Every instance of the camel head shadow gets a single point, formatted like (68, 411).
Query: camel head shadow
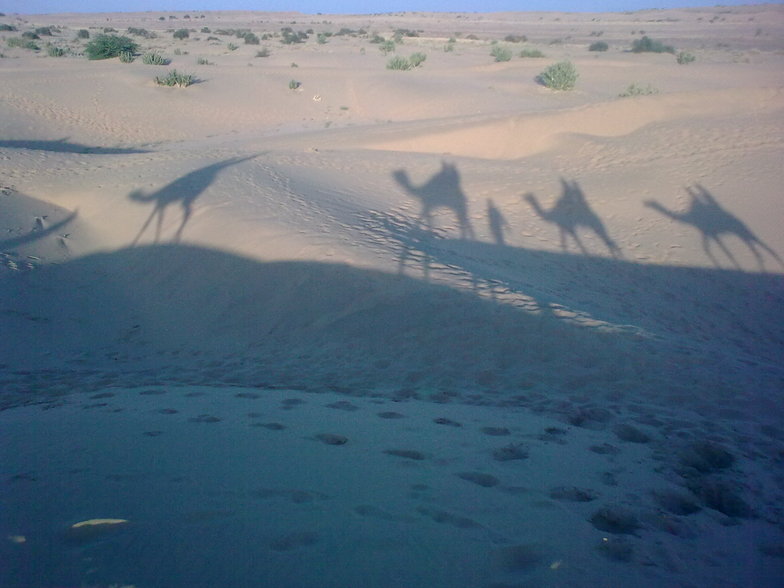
(442, 190)
(707, 216)
(183, 191)
(570, 213)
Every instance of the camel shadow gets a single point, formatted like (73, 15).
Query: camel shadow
(707, 216)
(570, 213)
(442, 190)
(497, 222)
(185, 191)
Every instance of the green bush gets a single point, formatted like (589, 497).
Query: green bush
(141, 33)
(6, 27)
(515, 38)
(30, 35)
(531, 53)
(684, 58)
(559, 76)
(83, 34)
(232, 47)
(204, 61)
(387, 47)
(648, 45)
(23, 43)
(108, 46)
(399, 63)
(126, 57)
(181, 34)
(175, 78)
(294, 85)
(501, 53)
(45, 31)
(251, 39)
(54, 51)
(635, 90)
(263, 52)
(154, 59)
(598, 46)
(417, 59)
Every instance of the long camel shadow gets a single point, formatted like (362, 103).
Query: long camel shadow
(65, 146)
(442, 190)
(712, 220)
(185, 191)
(570, 213)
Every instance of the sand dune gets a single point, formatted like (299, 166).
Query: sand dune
(538, 333)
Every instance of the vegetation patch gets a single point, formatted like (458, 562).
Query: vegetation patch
(108, 46)
(175, 78)
(648, 45)
(153, 58)
(598, 46)
(500, 53)
(559, 76)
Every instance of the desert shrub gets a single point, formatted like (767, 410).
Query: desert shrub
(181, 34)
(294, 85)
(204, 61)
(83, 34)
(559, 76)
(23, 43)
(251, 39)
(30, 35)
(406, 33)
(108, 30)
(598, 46)
(534, 53)
(6, 27)
(232, 47)
(126, 56)
(377, 39)
(635, 90)
(154, 59)
(175, 78)
(501, 53)
(44, 31)
(417, 59)
(685, 57)
(263, 52)
(108, 46)
(648, 45)
(399, 63)
(515, 38)
(54, 51)
(289, 37)
(322, 38)
(206, 30)
(141, 33)
(387, 47)
(450, 45)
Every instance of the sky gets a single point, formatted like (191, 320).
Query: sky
(353, 6)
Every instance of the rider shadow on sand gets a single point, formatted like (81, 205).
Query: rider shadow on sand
(571, 212)
(443, 190)
(185, 191)
(707, 216)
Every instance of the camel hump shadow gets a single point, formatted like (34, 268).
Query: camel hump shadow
(712, 220)
(572, 212)
(184, 190)
(442, 190)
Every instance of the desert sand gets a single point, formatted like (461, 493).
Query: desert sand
(314, 322)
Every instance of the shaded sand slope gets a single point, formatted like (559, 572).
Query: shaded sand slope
(180, 313)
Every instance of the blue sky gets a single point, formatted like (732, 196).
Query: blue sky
(351, 6)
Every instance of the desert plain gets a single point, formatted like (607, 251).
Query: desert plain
(311, 321)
